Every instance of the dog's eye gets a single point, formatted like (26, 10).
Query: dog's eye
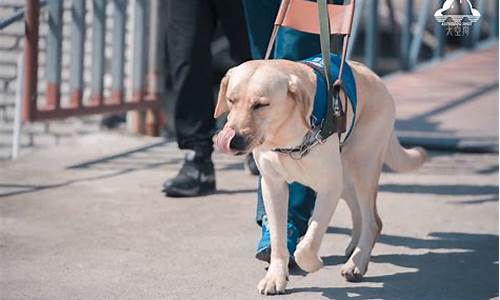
(259, 105)
(230, 100)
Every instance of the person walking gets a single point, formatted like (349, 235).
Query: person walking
(190, 29)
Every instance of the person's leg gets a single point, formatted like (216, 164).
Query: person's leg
(300, 207)
(260, 16)
(295, 45)
(232, 19)
(261, 211)
(190, 26)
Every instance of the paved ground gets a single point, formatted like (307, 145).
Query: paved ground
(95, 226)
(86, 219)
(450, 105)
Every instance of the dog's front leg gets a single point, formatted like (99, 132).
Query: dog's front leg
(306, 255)
(275, 193)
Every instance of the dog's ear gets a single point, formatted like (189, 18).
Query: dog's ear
(301, 98)
(221, 106)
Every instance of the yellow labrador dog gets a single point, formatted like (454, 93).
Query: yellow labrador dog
(269, 104)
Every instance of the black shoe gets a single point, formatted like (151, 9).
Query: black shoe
(252, 166)
(113, 121)
(196, 177)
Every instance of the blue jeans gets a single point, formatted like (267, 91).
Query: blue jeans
(300, 205)
(292, 45)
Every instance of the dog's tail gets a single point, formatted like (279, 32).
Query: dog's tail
(400, 159)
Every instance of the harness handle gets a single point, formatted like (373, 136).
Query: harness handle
(335, 119)
(336, 116)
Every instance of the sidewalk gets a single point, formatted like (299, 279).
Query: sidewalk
(86, 220)
(450, 105)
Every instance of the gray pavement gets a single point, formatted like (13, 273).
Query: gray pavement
(86, 220)
(451, 104)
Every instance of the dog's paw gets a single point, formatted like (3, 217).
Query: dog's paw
(351, 272)
(307, 259)
(273, 283)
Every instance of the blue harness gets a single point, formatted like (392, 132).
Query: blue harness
(320, 106)
(349, 84)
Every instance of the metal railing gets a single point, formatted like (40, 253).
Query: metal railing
(142, 98)
(412, 28)
(409, 32)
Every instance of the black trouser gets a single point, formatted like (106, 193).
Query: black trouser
(190, 28)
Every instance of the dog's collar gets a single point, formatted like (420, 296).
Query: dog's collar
(311, 139)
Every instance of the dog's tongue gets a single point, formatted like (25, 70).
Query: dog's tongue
(223, 140)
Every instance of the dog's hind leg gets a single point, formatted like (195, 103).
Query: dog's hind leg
(349, 195)
(363, 156)
(365, 175)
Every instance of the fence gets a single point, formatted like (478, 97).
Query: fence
(141, 99)
(410, 31)
(411, 21)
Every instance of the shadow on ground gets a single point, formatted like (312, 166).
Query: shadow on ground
(456, 266)
(446, 139)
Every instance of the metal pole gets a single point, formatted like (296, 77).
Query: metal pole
(16, 135)
(494, 21)
(371, 46)
(98, 44)
(417, 40)
(138, 64)
(153, 66)
(358, 12)
(13, 18)
(476, 28)
(406, 35)
(18, 15)
(139, 59)
(54, 54)
(30, 59)
(153, 47)
(117, 69)
(77, 52)
(439, 34)
(396, 35)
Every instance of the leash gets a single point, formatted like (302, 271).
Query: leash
(335, 119)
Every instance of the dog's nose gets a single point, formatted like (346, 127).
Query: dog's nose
(238, 143)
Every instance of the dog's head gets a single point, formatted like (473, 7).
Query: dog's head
(269, 103)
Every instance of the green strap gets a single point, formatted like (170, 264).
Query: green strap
(328, 126)
(324, 29)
